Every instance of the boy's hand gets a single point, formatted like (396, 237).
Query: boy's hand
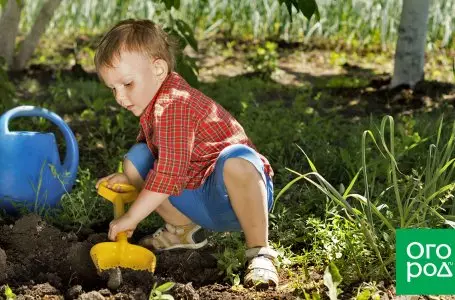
(124, 223)
(113, 179)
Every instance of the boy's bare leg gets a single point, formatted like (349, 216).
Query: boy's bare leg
(248, 197)
(166, 210)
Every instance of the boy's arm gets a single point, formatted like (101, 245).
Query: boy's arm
(174, 134)
(146, 202)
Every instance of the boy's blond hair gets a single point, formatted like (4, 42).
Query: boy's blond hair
(142, 36)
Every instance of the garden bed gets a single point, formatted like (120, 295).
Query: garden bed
(43, 262)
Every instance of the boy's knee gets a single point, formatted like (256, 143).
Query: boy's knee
(132, 173)
(240, 169)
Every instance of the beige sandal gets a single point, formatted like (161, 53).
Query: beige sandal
(191, 236)
(261, 272)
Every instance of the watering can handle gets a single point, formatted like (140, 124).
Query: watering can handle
(71, 161)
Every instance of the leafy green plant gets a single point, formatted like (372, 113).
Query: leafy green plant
(313, 296)
(263, 59)
(231, 262)
(232, 259)
(368, 291)
(159, 292)
(414, 200)
(338, 240)
(82, 207)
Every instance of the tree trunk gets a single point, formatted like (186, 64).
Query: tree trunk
(410, 50)
(9, 26)
(29, 44)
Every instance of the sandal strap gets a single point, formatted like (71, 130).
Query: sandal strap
(174, 229)
(261, 251)
(187, 234)
(261, 270)
(263, 263)
(159, 237)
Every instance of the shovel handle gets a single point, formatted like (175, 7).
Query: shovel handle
(122, 237)
(128, 194)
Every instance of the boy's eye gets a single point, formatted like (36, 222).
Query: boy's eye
(128, 84)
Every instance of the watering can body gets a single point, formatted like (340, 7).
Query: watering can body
(31, 171)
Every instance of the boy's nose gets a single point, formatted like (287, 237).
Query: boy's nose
(123, 101)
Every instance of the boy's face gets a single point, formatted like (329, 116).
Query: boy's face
(134, 80)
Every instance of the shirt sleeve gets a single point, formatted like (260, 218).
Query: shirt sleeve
(174, 135)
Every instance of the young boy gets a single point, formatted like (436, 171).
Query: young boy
(193, 163)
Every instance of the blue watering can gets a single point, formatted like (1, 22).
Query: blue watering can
(31, 172)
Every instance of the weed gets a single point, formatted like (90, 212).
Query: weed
(82, 207)
(9, 294)
(159, 292)
(368, 291)
(232, 259)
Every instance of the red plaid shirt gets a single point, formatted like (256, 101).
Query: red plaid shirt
(186, 131)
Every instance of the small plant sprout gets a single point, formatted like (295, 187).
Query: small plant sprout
(159, 292)
(9, 294)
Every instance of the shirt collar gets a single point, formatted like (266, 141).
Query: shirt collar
(148, 111)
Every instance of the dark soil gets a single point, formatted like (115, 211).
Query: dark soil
(38, 261)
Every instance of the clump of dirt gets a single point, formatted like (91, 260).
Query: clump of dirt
(38, 261)
(185, 292)
(189, 265)
(34, 250)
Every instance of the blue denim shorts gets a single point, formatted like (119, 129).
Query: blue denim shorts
(208, 205)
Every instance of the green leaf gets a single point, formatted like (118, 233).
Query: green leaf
(9, 293)
(288, 5)
(186, 66)
(236, 280)
(315, 295)
(348, 190)
(186, 31)
(332, 279)
(312, 166)
(168, 4)
(364, 295)
(165, 287)
(308, 8)
(166, 297)
(335, 273)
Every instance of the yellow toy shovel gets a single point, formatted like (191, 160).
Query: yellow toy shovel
(120, 253)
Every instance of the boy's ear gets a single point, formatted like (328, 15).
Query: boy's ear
(160, 68)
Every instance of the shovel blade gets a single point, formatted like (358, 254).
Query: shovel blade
(117, 254)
